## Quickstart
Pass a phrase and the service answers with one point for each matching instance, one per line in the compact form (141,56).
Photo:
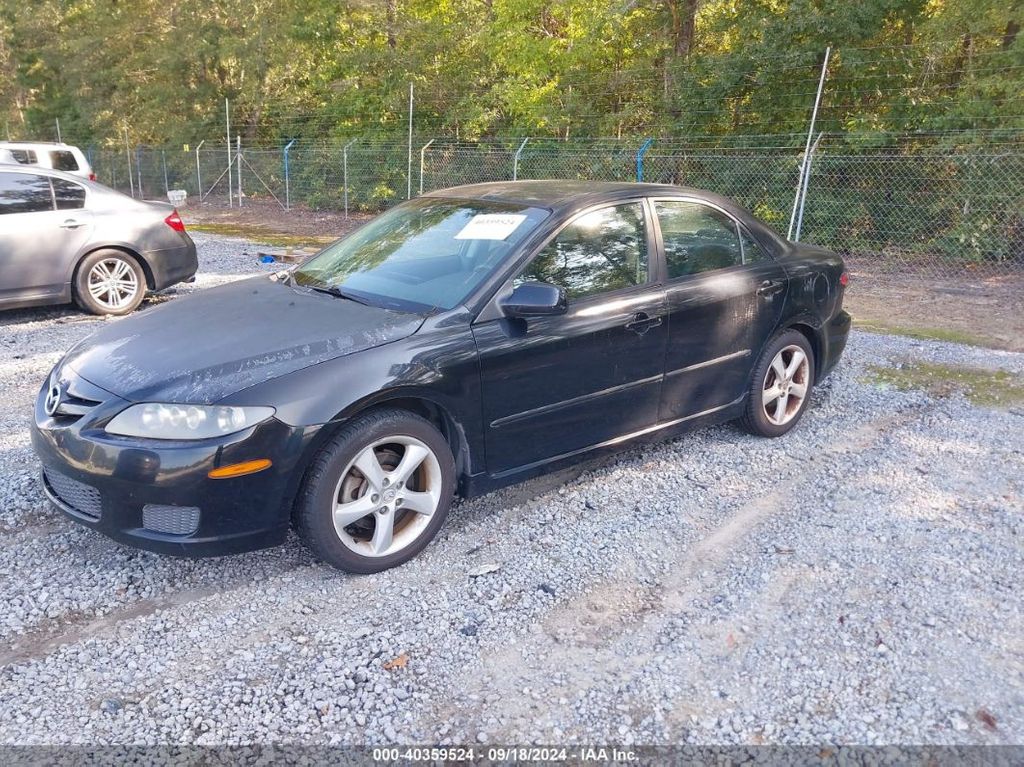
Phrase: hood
(204,347)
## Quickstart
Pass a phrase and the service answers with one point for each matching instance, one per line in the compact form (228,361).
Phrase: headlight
(159,421)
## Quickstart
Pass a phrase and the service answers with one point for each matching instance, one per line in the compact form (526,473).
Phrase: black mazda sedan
(464,340)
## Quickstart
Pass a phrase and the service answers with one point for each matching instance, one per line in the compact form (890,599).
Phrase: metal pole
(423,158)
(640,158)
(199,177)
(138,170)
(227,134)
(344,170)
(803,194)
(515,159)
(128,157)
(238,167)
(810,134)
(163,158)
(287,183)
(408,172)
(57,120)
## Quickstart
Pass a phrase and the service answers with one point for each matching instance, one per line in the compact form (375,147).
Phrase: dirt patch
(988,388)
(266,221)
(977,310)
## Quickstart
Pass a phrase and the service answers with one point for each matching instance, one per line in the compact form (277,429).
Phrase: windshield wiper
(337,292)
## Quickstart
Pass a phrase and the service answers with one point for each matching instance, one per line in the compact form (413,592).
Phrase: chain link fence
(940,214)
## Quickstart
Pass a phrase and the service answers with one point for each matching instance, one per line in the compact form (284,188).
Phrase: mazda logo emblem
(52,401)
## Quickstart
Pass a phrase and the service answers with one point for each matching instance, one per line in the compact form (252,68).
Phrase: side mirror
(534,299)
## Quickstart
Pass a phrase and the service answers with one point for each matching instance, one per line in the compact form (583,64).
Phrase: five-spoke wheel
(377,492)
(780,385)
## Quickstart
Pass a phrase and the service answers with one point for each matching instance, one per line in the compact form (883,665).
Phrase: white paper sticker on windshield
(490,226)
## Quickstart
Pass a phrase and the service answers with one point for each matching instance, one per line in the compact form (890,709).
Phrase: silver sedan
(65,239)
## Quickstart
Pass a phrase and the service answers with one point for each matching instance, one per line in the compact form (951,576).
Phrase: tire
(342,512)
(762,413)
(109,282)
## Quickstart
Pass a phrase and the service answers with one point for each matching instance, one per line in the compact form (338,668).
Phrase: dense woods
(706,70)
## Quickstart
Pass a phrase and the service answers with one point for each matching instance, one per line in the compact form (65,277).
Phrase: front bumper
(107,482)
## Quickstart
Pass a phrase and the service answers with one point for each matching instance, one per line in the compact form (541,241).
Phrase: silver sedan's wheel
(113,284)
(786,383)
(386,496)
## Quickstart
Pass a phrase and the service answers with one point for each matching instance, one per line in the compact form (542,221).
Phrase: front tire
(377,493)
(780,386)
(109,282)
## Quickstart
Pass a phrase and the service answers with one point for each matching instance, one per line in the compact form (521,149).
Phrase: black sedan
(462,341)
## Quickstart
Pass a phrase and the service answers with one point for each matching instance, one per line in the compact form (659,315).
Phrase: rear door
(42,228)
(556,385)
(724,296)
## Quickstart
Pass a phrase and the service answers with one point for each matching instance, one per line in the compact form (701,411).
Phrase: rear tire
(780,386)
(377,493)
(109,282)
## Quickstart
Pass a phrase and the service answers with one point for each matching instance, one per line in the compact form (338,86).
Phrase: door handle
(642,322)
(769,287)
(72,224)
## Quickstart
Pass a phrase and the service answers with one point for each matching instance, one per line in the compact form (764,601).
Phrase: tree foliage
(331,69)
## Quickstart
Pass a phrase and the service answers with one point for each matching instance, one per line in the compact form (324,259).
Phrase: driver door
(556,385)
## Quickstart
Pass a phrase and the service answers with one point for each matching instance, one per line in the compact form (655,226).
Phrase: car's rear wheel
(377,493)
(109,282)
(780,387)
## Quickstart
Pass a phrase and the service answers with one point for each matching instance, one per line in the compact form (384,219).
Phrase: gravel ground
(855,582)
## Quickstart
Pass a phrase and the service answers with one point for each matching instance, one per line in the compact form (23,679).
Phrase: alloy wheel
(112,283)
(785,385)
(386,496)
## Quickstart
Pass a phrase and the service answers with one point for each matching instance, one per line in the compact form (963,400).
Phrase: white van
(64,157)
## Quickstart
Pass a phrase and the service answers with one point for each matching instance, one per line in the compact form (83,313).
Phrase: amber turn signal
(239,469)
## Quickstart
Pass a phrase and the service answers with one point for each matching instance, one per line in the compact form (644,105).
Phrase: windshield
(424,254)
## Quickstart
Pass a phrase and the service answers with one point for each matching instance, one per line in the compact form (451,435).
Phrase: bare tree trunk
(684,25)
(391,14)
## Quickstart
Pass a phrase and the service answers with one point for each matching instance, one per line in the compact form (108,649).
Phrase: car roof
(557,194)
(45,144)
(39,170)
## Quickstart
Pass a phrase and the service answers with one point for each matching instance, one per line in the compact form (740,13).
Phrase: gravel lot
(855,582)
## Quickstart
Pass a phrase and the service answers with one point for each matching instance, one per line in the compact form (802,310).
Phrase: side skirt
(479,484)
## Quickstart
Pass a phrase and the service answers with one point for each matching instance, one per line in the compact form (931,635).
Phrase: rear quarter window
(61,159)
(24,156)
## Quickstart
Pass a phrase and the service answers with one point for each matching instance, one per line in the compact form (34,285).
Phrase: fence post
(163,159)
(344,172)
(199,177)
(287,182)
(515,159)
(810,134)
(138,170)
(128,157)
(238,167)
(640,158)
(423,160)
(408,172)
(803,191)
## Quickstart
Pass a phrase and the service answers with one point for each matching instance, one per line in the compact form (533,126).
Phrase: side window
(600,251)
(61,159)
(24,193)
(697,238)
(752,252)
(24,156)
(69,195)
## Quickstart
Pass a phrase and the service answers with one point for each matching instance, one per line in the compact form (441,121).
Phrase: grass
(988,388)
(926,334)
(263,235)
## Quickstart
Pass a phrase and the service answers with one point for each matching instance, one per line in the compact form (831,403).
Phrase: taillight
(174,221)
(92,176)
(844,279)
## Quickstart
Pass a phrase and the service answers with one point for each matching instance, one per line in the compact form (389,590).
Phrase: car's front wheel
(780,387)
(377,493)
(109,282)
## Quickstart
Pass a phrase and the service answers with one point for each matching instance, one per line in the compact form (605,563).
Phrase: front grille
(74,407)
(81,497)
(173,520)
